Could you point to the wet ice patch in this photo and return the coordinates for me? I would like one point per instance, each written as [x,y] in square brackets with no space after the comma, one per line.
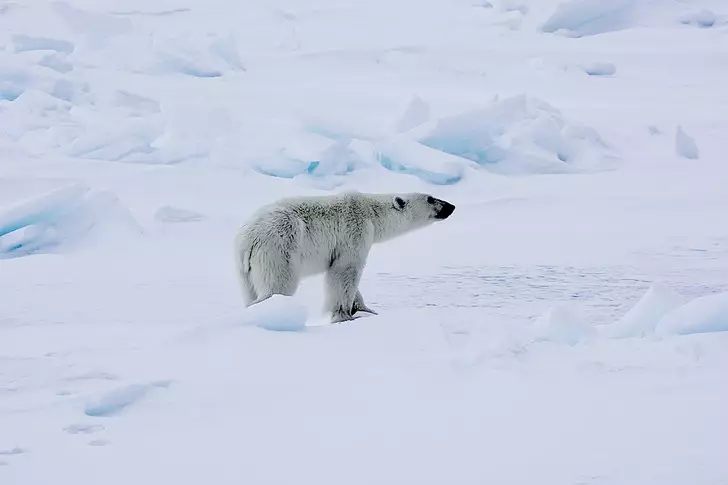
[278,313]
[704,314]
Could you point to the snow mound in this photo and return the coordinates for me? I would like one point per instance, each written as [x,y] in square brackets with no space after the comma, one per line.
[577,18]
[560,325]
[599,68]
[278,313]
[316,155]
[642,318]
[700,18]
[704,314]
[520,134]
[59,218]
[685,145]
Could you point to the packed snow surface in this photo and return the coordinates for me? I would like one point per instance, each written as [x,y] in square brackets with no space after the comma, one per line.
[568,324]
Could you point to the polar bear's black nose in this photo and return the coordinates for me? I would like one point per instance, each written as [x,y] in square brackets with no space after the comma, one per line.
[445,211]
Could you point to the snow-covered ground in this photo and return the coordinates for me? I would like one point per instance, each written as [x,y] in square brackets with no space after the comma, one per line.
[567,325]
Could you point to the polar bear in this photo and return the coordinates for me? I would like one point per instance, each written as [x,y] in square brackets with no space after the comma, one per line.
[297,237]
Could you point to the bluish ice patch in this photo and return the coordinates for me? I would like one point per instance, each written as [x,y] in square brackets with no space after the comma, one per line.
[41,210]
[479,150]
[578,18]
[434,178]
[62,216]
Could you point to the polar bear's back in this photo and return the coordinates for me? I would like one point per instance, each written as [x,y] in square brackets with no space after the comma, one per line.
[312,230]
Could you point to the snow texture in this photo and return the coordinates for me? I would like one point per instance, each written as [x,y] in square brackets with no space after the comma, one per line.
[570,315]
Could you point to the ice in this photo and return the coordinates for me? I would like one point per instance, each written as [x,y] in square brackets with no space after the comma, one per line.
[278,313]
[704,314]
[60,218]
[412,158]
[577,18]
[685,145]
[641,320]
[520,134]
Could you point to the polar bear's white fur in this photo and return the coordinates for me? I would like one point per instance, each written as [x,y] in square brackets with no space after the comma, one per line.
[297,237]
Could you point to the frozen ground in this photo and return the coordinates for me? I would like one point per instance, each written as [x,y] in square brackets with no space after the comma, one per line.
[567,325]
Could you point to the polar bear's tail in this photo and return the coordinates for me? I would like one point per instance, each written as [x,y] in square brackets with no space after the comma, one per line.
[243,252]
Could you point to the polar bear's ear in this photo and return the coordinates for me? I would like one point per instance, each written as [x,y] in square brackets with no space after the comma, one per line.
[398,203]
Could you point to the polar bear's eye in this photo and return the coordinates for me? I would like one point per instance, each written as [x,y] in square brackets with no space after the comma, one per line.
[399,203]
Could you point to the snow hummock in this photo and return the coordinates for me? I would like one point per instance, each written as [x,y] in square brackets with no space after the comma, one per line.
[278,313]
[703,314]
[520,134]
[701,18]
[643,317]
[685,145]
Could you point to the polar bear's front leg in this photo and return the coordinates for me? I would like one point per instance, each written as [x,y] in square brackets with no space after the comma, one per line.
[360,306]
[342,281]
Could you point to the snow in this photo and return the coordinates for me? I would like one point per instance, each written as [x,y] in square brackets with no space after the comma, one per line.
[570,316]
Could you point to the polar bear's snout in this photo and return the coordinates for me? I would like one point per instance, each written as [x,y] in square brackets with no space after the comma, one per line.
[444,210]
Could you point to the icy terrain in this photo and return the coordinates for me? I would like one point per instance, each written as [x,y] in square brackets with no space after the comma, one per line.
[567,325]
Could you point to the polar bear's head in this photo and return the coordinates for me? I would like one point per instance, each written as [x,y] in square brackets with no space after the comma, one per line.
[422,207]
[407,212]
